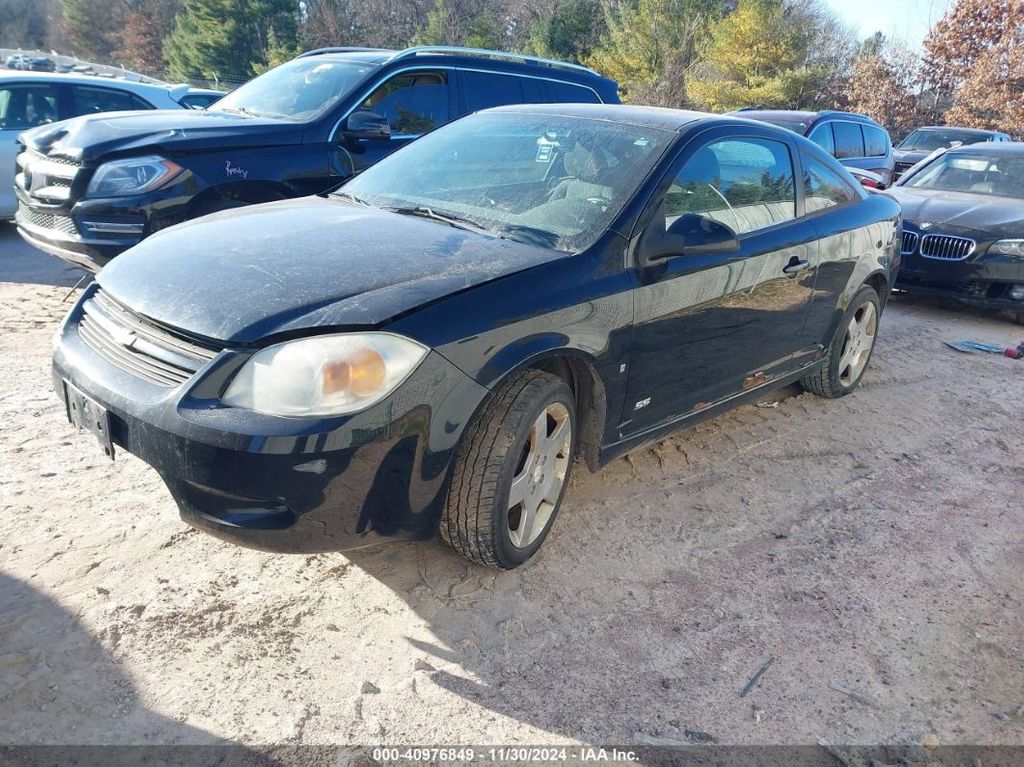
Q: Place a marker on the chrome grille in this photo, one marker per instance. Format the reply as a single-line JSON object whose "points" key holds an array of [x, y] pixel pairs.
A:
{"points": [[137, 346], [32, 154], [909, 242], [48, 221], [945, 247]]}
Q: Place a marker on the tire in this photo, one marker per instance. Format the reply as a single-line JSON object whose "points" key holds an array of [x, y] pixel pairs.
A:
{"points": [[501, 448], [839, 375]]}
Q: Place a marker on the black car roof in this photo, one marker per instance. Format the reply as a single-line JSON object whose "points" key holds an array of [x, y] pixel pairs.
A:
{"points": [[958, 129], [646, 117], [440, 55], [1014, 148], [810, 118]]}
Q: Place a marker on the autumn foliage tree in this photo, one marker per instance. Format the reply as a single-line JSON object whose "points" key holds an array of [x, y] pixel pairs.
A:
{"points": [[974, 58], [884, 83]]}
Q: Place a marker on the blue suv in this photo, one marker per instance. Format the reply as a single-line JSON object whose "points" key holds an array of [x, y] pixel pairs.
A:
{"points": [[92, 187], [856, 140]]}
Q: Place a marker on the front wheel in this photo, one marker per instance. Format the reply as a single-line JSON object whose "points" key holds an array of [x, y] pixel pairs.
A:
{"points": [[848, 355], [512, 472]]}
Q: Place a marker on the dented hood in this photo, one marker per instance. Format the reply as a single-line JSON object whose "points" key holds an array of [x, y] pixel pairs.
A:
{"points": [[245, 274], [92, 137]]}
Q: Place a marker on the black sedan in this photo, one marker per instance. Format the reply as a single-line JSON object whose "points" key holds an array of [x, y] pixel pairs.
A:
{"points": [[921, 142], [430, 348], [963, 233]]}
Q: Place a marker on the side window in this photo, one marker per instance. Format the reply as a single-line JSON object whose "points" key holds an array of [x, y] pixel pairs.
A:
{"points": [[822, 136], [567, 93], [87, 100], [876, 141], [486, 89], [412, 103], [823, 187], [746, 184], [26, 106], [849, 141]]}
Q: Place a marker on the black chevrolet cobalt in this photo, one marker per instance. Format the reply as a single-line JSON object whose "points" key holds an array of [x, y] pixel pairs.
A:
{"points": [[428, 349]]}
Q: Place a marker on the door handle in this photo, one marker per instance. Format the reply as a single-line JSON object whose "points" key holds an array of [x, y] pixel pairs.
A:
{"points": [[795, 266]]}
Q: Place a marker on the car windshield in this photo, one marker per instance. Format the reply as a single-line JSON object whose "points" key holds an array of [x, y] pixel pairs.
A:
{"points": [[930, 140], [1001, 175], [300, 90], [543, 179]]}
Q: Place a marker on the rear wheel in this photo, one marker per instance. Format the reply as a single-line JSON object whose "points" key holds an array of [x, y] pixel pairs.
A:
{"points": [[512, 472], [848, 355]]}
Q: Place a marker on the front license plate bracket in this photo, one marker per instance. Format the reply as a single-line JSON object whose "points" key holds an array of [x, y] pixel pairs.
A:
{"points": [[86, 413]]}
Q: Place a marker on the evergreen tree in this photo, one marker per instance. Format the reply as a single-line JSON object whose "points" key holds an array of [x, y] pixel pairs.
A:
{"points": [[230, 40], [569, 32], [650, 45]]}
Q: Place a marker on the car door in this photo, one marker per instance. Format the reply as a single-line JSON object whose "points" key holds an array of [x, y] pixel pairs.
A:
{"points": [[845, 240], [23, 105], [413, 103], [707, 327]]}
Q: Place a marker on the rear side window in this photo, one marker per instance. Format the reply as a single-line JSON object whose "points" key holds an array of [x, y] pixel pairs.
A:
{"points": [[412, 103], [26, 106], [746, 184], [87, 100], [823, 187], [876, 141], [487, 89], [849, 141], [822, 136], [561, 92]]}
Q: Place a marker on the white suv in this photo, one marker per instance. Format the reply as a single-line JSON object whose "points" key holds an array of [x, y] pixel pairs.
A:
{"points": [[28, 99]]}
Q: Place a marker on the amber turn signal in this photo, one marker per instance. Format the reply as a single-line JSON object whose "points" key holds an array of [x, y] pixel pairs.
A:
{"points": [[362, 373]]}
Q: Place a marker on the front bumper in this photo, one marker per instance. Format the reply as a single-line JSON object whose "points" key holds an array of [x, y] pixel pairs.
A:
{"points": [[981, 279], [284, 484], [89, 233]]}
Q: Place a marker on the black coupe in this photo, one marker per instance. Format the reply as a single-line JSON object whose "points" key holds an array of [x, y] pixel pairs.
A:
{"points": [[430, 348]]}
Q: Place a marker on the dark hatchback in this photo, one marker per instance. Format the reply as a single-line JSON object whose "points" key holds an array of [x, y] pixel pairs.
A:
{"points": [[430, 347], [963, 233]]}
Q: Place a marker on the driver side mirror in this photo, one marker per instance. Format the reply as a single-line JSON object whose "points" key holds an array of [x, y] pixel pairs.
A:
{"points": [[692, 235], [367, 125]]}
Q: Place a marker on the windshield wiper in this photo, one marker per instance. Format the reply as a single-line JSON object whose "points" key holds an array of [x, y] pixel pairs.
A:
{"points": [[422, 211], [351, 198], [529, 235]]}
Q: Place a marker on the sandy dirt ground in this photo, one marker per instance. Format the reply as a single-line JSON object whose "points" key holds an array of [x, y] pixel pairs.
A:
{"points": [[870, 548]]}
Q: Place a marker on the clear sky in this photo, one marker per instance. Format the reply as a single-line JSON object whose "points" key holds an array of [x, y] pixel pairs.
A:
{"points": [[908, 20]]}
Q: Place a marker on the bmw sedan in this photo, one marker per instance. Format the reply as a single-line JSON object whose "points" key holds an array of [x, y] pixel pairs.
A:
{"points": [[963, 231], [430, 348]]}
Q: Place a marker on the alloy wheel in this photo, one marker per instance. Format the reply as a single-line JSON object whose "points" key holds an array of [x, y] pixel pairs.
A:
{"points": [[537, 484], [857, 343]]}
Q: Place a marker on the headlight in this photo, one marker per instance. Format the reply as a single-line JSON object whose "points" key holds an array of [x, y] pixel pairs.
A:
{"points": [[324, 375], [134, 175], [1008, 248]]}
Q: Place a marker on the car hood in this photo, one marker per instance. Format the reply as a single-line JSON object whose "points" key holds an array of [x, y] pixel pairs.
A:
{"points": [[246, 274], [995, 217], [910, 155], [92, 137]]}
